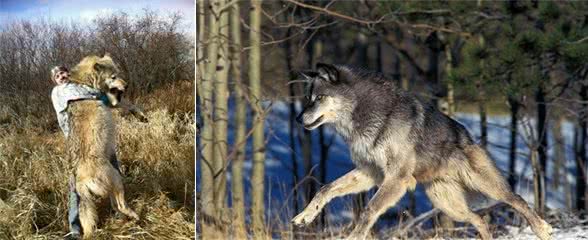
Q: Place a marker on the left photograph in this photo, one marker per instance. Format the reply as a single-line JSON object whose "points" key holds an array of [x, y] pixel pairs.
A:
{"points": [[97, 119]]}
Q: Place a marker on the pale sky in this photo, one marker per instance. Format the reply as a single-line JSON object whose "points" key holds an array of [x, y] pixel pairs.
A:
{"points": [[84, 11]]}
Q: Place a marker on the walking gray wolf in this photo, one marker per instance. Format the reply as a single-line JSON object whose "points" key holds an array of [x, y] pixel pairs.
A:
{"points": [[93, 140], [397, 141]]}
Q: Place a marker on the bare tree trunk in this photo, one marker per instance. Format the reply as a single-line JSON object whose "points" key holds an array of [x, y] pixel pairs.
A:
{"points": [[317, 51], [538, 182], [314, 48], [482, 103], [258, 172], [207, 134], [200, 12], [483, 118], [379, 63], [450, 92], [559, 160], [238, 193], [292, 121], [396, 75], [221, 116], [434, 47], [514, 110], [306, 147], [581, 193], [361, 50], [542, 147]]}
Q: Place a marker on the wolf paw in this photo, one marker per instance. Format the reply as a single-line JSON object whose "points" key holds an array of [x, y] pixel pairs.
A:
{"points": [[303, 219], [132, 214]]}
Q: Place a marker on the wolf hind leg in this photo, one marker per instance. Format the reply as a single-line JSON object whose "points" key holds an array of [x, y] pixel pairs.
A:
{"points": [[450, 198], [487, 179], [87, 210], [118, 198]]}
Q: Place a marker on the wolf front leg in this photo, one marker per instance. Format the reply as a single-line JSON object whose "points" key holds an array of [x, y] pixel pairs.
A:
{"points": [[354, 181], [133, 109], [389, 192]]}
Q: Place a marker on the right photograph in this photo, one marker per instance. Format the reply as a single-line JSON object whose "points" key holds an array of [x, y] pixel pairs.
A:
{"points": [[391, 119]]}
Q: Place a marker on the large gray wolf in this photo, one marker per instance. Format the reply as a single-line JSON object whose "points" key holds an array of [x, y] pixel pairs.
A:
{"points": [[93, 140], [397, 141]]}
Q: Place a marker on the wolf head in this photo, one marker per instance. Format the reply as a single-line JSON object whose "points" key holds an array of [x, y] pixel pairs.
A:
{"points": [[328, 98], [100, 73]]}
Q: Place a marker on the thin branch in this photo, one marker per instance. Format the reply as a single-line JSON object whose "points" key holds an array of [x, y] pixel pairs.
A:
{"points": [[334, 14]]}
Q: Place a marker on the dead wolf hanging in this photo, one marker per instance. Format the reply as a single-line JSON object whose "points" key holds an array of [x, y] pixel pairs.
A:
{"points": [[395, 141]]}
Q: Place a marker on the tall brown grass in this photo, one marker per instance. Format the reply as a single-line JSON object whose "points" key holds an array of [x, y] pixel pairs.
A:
{"points": [[157, 161]]}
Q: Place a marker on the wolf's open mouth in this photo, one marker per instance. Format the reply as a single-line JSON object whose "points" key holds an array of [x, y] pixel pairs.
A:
{"points": [[315, 123]]}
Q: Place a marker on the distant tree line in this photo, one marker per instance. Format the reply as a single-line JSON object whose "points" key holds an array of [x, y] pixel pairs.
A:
{"points": [[151, 50]]}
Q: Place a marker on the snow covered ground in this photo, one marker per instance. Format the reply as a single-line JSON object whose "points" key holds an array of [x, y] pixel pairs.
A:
{"points": [[577, 232], [279, 165]]}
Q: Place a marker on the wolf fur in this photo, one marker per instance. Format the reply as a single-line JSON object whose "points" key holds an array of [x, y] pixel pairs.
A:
{"points": [[93, 141], [395, 141]]}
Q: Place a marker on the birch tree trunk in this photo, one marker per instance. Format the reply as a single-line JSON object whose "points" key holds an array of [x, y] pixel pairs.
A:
{"points": [[201, 67], [221, 92], [257, 176], [207, 134], [238, 193]]}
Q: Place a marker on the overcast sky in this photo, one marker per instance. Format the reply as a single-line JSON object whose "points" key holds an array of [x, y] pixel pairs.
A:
{"points": [[84, 11]]}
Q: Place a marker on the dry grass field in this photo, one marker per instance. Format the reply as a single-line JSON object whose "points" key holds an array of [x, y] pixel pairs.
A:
{"points": [[157, 161]]}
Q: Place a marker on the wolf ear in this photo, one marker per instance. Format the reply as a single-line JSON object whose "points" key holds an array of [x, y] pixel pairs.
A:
{"points": [[328, 72], [106, 57]]}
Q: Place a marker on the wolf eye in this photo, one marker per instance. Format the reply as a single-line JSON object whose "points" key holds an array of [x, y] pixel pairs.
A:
{"points": [[320, 97]]}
